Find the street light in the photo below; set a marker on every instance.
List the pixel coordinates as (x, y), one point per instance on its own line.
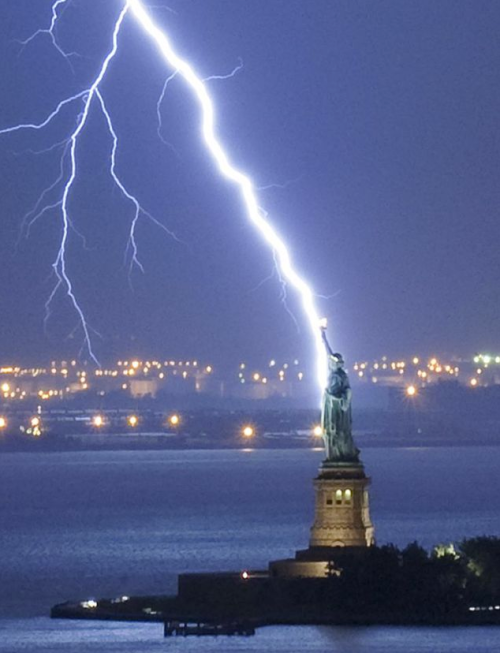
(317, 431)
(132, 420)
(174, 420)
(98, 420)
(3, 423)
(247, 431)
(411, 391)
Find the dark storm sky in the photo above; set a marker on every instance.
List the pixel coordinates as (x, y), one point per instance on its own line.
(384, 113)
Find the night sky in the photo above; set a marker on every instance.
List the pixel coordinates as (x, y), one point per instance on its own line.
(383, 116)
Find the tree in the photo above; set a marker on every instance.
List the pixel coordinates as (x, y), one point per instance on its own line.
(482, 558)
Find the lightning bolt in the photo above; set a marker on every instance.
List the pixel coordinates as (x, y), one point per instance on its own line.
(181, 69)
(244, 184)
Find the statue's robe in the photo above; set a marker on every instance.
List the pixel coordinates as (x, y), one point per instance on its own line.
(336, 420)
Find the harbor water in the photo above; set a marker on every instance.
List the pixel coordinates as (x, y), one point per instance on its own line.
(102, 524)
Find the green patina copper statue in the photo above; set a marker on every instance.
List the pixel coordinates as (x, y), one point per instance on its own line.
(336, 420)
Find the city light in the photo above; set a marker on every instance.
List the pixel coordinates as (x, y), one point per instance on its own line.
(411, 391)
(98, 420)
(35, 426)
(248, 431)
(71, 379)
(3, 423)
(317, 431)
(174, 420)
(132, 420)
(244, 575)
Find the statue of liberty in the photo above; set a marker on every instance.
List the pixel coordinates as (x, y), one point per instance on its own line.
(336, 420)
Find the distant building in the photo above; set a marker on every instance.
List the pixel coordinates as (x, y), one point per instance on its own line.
(143, 387)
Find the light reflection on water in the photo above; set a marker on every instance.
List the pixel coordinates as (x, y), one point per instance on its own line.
(97, 524)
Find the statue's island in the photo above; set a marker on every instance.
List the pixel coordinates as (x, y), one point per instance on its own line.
(342, 577)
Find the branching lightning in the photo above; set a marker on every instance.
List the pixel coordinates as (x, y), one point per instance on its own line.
(282, 186)
(50, 32)
(181, 69)
(39, 209)
(158, 112)
(68, 179)
(169, 79)
(235, 70)
(132, 243)
(59, 266)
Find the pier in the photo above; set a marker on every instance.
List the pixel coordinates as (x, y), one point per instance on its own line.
(186, 628)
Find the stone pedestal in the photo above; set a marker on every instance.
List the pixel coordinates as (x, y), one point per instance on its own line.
(342, 525)
(341, 516)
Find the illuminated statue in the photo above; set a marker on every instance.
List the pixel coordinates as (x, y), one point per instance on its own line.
(336, 421)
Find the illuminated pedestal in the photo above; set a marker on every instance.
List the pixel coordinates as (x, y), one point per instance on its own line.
(341, 523)
(342, 515)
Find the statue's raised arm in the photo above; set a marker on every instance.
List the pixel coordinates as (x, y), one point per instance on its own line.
(329, 350)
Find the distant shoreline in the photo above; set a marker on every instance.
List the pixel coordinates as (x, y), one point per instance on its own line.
(168, 608)
(156, 442)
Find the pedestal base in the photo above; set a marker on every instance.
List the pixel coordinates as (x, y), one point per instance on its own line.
(315, 562)
(342, 525)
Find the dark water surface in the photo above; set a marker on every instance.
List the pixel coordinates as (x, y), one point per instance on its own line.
(92, 524)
